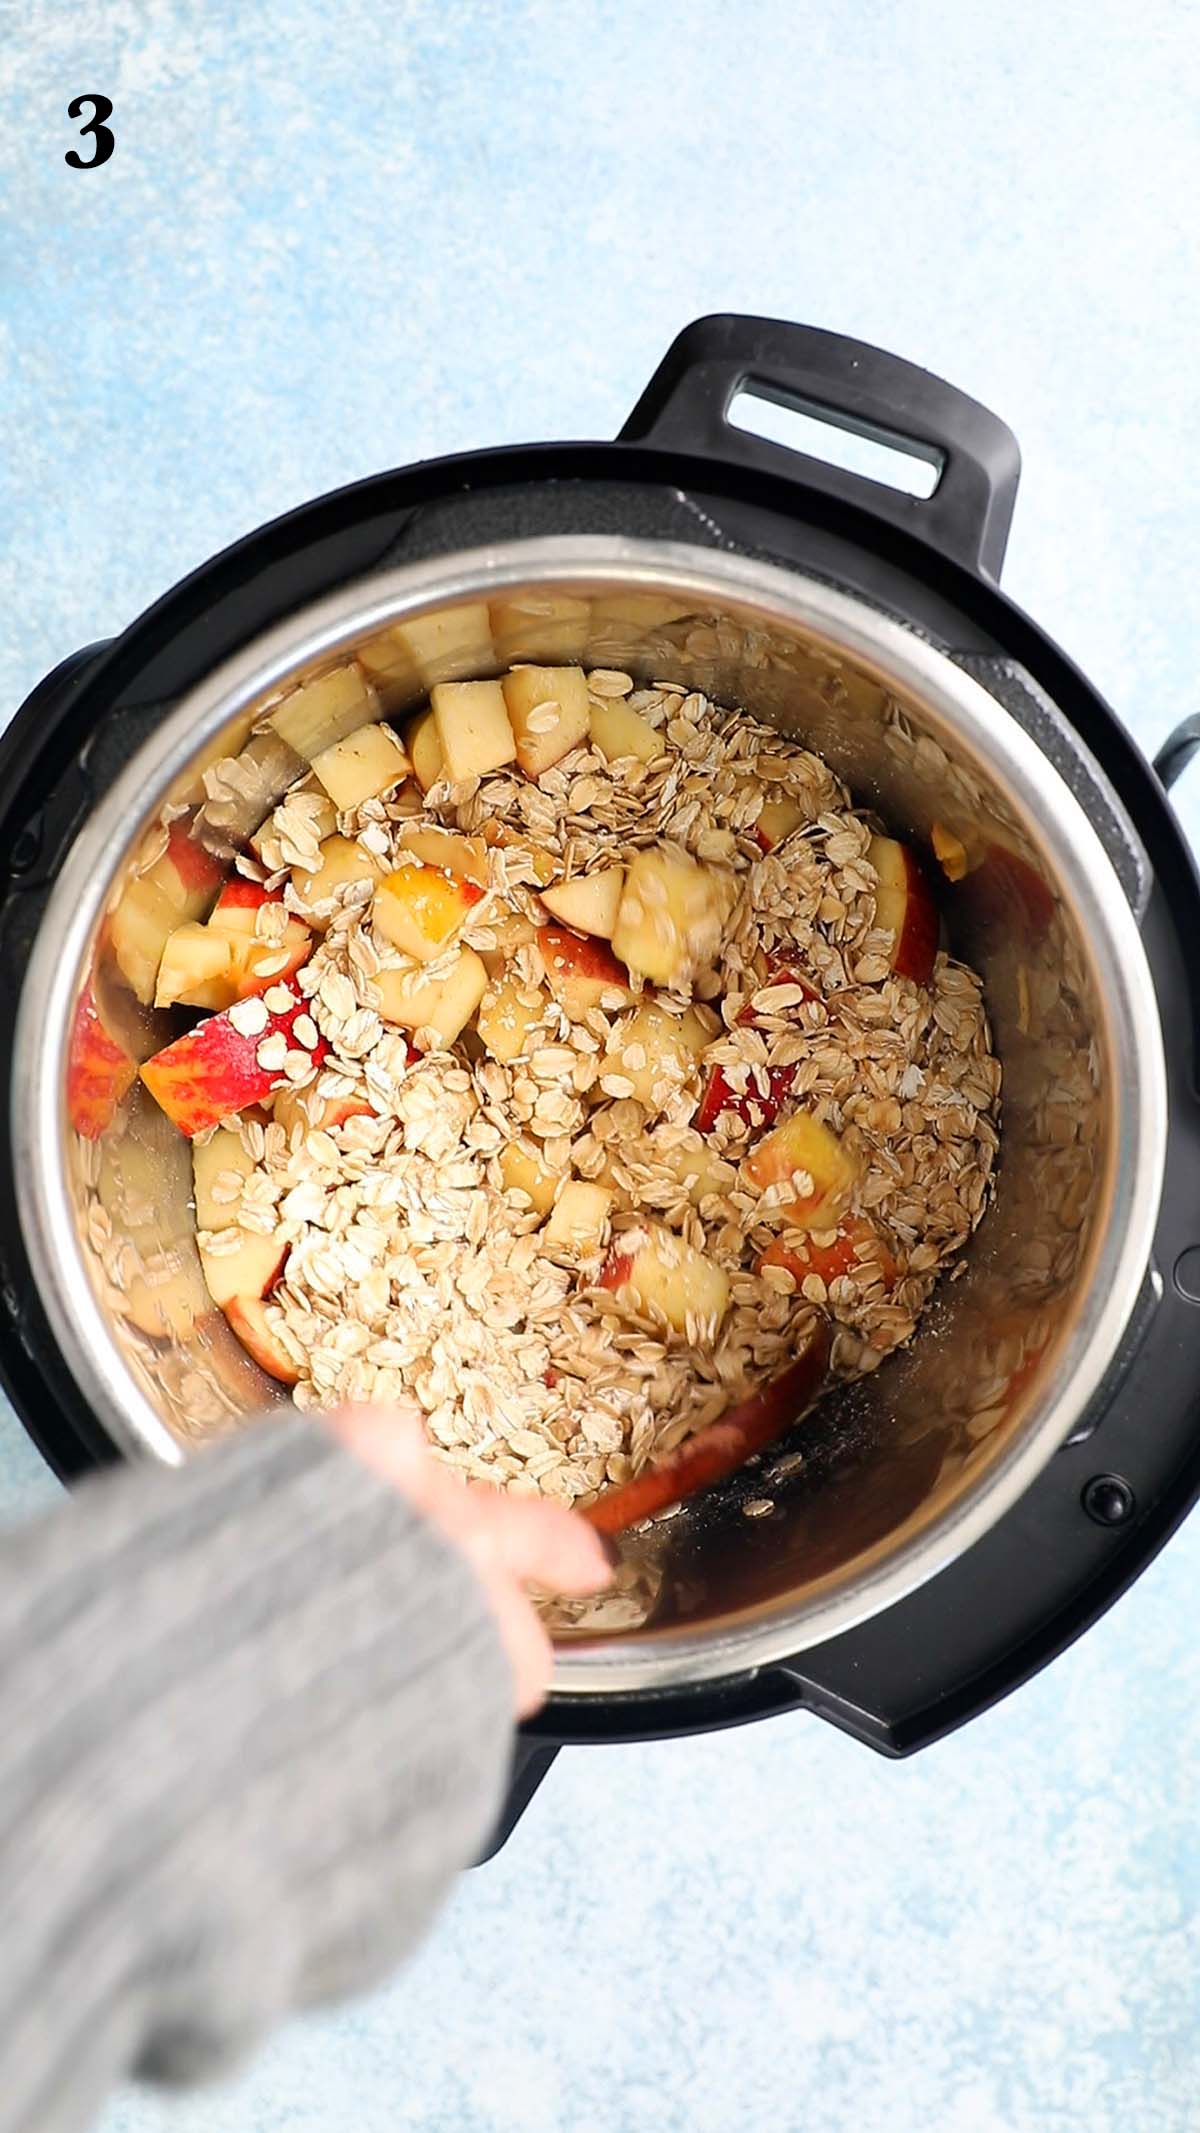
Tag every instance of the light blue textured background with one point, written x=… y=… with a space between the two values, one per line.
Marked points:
x=334 y=238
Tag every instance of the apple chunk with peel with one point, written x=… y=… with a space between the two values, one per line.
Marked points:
x=343 y=863
x=232 y=1060
x=472 y=728
x=669 y=1277
x=548 y=712
x=250 y=1319
x=227 y=960
x=512 y=1019
x=657 y=1052
x=618 y=731
x=444 y=1005
x=589 y=903
x=756 y=1106
x=419 y=908
x=672 y=916
x=292 y=1108
x=177 y=888
x=100 y=1073
x=581 y=972
x=830 y=1254
x=247 y=1263
x=522 y=1171
x=806 y=1168
x=718 y=1451
x=904 y=907
x=360 y=767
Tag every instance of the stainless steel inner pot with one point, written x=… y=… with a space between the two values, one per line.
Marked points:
x=938 y=1443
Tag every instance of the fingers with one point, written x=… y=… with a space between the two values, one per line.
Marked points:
x=525 y=1537
x=538 y=1543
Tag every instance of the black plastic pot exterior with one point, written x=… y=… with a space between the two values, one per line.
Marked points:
x=1098 y=1514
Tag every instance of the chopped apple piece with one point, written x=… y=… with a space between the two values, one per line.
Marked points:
x=344 y=863
x=714 y=1453
x=444 y=1005
x=472 y=727
x=949 y=851
x=803 y=1156
x=904 y=907
x=543 y=626
x=589 y=902
x=238 y=905
x=580 y=1217
x=657 y=1052
x=319 y=812
x=498 y=837
x=672 y=916
x=389 y=666
x=320 y=713
x=619 y=731
x=511 y=931
x=178 y=887
x=697 y=1167
x=450 y=645
x=512 y=1019
x=1007 y=898
x=419 y=908
x=143 y=1185
x=670 y=1278
x=368 y=762
x=548 y=711
x=230 y=819
x=100 y=1072
x=831 y=1254
x=582 y=972
x=232 y=1060
x=250 y=1268
x=292 y=1108
x=777 y=820
x=428 y=762
x=196 y=969
x=217 y=1162
x=250 y=1319
x=523 y=1171
x=446 y=849
x=757 y=1107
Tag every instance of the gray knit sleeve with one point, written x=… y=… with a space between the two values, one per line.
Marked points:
x=254 y=1716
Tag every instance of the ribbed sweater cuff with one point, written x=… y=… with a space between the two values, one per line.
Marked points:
x=256 y=1717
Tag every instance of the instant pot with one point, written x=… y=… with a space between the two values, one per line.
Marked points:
x=943 y=1527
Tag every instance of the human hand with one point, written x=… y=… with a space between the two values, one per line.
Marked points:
x=510 y=1541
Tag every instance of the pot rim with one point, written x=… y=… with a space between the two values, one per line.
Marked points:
x=777 y=596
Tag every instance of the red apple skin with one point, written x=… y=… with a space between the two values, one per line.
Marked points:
x=616 y=1271
x=719 y=1450
x=213 y=1071
x=248 y=1319
x=568 y=956
x=756 y=1110
x=1005 y=896
x=238 y=901
x=196 y=868
x=915 y=939
x=99 y=1073
x=832 y=1260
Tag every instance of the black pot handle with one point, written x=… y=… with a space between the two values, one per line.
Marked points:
x=851 y=386
x=1181 y=744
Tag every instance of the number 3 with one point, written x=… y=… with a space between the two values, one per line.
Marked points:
x=101 y=134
